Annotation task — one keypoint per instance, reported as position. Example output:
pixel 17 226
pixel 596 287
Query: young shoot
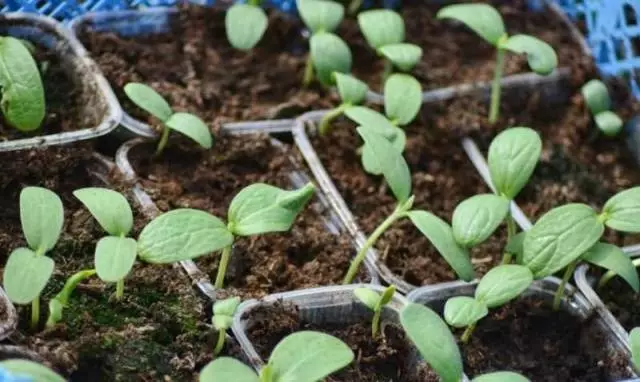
pixel 245 24
pixel 634 344
pixel 223 311
pixel 301 357
pixel 23 103
pixel 328 52
pixel 185 123
pixel 384 31
pixel 61 300
pixel 598 101
pixel 28 270
pixel 22 370
pixel 485 21
pixel 352 92
pixel 375 301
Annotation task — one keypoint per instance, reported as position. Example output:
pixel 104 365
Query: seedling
pixel 188 124
pixel 22 370
pixel 245 24
pixel 352 92
pixel 598 101
pixel 23 104
pixel 328 52
pixel 28 270
pixel 501 376
pixel 61 300
pixel 375 301
pixel 302 357
pixel 485 20
pixel 634 344
pixel 222 319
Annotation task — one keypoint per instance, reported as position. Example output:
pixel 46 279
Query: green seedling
pixel 485 20
pixel 328 52
pixel 32 371
pixel 28 270
pixel 598 101
pixel 634 344
pixel 23 103
pixel 352 92
pixel 375 301
pixel 245 24
pixel 301 357
pixel 384 31
pixel 185 123
pixel 222 319
pixel 61 300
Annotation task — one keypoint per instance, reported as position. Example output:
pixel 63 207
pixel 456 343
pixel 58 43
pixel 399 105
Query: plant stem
pixel 119 289
pixel 354 6
pixel 375 323
pixel 506 258
pixel 611 274
pixel 386 72
pixel 35 313
pixel 325 122
pixel 511 232
pixel 495 87
pixel 255 3
pixel 222 267
pixel 220 343
pixel 467 333
pixel 560 292
pixel 164 138
pixel 57 304
pixel 308 72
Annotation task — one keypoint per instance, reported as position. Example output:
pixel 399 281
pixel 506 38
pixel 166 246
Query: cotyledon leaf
pixel 476 218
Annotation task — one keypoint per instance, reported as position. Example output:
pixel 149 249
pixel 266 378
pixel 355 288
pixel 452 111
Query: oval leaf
pixel 110 208
pixel 609 123
pixel 386 296
pixel 308 356
pixel 367 296
pixel 191 126
pixel 502 284
pixel 622 210
pixel 25 368
pixel 513 155
pixel 149 100
pixel 320 15
pixel 227 369
pixel 402 98
pixel 182 234
pixel 245 25
pixel 476 218
pixel 381 27
pixel 540 55
pixel 329 54
pixel 226 307
pixel 441 236
pixel 501 376
pixel 463 311
pixel 352 91
pixel 403 56
pixel 596 96
pixel 26 274
pixel 433 339
pixel 634 342
pixel 481 18
pixel 115 257
pixel 612 258
pixel 370 162
pixel 42 216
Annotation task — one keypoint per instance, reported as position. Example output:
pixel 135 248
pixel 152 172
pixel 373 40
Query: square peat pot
pixel 297 178
pixel 573 303
pixel 100 108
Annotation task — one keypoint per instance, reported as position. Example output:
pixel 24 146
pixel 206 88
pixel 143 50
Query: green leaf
pixel 115 257
pixel 149 100
pixel 366 117
pixel 609 123
pixel 226 307
pixel 481 18
pixel 402 98
pixel 110 208
pixel 191 126
pixel 329 54
pixel 308 356
pixel 540 55
pixel 463 311
pixel 26 274
pixel 352 90
pixel 261 208
pixel 320 15
pixel 42 216
pixel 441 236
pixel 381 27
pixel 393 166
pixel 26 368
pixel 221 323
pixel 559 237
pixel 634 342
pixel 612 258
pixel 501 376
pixel 596 96
pixel 502 284
pixel 515 246
pixel 403 56
pixel 245 25
pixel 182 234
pixel 227 369
pixel 23 102
pixel 387 295
pixel 476 218
pixel 621 211
pixel 433 339
pixel 513 155
pixel 367 296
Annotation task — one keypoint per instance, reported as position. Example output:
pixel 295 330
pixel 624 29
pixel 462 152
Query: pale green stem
pixel 35 313
pixel 222 267
pixel 119 289
pixel 164 138
pixel 220 343
pixel 611 274
pixel 325 122
pixel 55 310
pixel 354 6
pixel 560 292
pixel 467 333
pixel 387 71
pixel 495 87
pixel 308 72
pixel 375 323
pixel 511 232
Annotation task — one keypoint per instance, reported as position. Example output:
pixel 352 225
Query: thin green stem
pixel 35 313
pixel 354 6
pixel 222 268
pixel 60 301
pixel 308 72
pixel 375 323
pixel 565 278
pixel 495 87
pixel 511 232
pixel 387 71
pixel 164 138
pixel 611 274
pixel 219 343
pixel 467 333
pixel 119 289
pixel 325 122
pixel 506 258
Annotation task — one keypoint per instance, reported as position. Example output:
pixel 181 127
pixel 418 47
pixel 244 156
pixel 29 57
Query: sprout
pixel 596 96
pixel 375 301
pixel 22 370
pixel 61 300
pixel 222 319
pixel 485 20
pixel 328 52
pixel 245 24
pixel 301 357
pixel 23 103
pixel 188 124
pixel 352 92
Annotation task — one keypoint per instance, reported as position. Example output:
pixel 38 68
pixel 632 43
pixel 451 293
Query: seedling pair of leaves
pixel 376 302
pixel 486 21
pixel 301 357
pixel 245 24
pixel 185 123
pixel 223 312
pixel 598 101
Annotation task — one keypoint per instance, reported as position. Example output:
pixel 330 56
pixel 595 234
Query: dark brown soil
pixel 308 255
pixel 623 302
pixel 382 359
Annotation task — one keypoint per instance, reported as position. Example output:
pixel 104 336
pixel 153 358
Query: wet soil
pixel 382 359
pixel 623 302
